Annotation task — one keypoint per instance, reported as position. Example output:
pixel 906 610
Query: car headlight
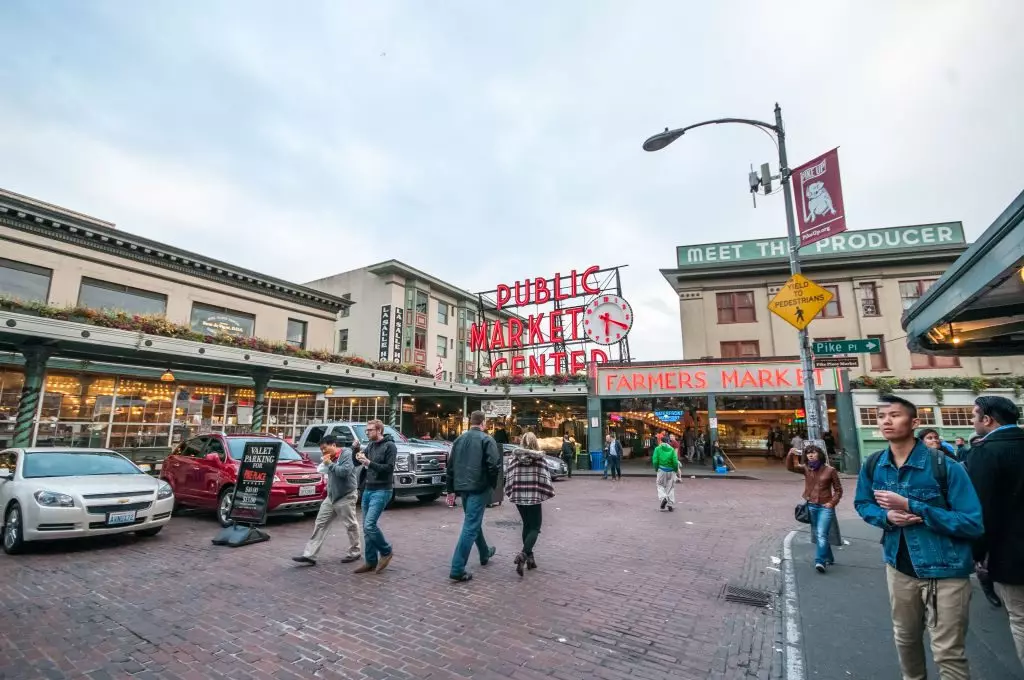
pixel 277 479
pixel 163 490
pixel 52 499
pixel 402 464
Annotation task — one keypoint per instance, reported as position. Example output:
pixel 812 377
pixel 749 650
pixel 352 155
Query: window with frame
pixel 420 340
pixel 736 307
pixel 880 361
pixel 211 320
pixel 869 415
pixel 926 414
pixel 911 291
pixel 25 282
pixel 741 349
pixel 932 361
pixel 422 301
pixel 442 346
pixel 957 416
pixel 833 310
pixel 442 312
pixel 296 334
pixel 96 294
pixel 869 299
pixel 346 311
pixel 343 340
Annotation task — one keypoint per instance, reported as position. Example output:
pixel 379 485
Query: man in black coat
pixel 473 469
pixel 568 453
pixel 996 467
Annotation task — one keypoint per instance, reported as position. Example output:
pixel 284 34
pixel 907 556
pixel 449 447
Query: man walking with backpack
pixel 997 470
pixel 473 468
pixel 930 515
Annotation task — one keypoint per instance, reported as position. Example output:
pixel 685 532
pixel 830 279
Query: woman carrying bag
pixel 822 491
pixel 527 485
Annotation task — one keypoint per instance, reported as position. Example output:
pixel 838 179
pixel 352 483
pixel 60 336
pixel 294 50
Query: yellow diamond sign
pixel 799 301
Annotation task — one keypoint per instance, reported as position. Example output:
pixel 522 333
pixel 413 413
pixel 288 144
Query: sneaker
pixel 302 559
pixel 671 508
pixel 664 502
pixel 348 559
pixel 490 554
pixel 384 562
pixel 820 568
pixel 366 569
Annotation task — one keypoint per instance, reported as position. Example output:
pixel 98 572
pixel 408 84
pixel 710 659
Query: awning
pixel 977 307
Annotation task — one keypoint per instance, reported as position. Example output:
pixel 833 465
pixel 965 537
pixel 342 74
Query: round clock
pixel 607 319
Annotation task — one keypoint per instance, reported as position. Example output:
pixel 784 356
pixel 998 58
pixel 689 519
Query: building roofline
pixel 397 266
pixel 51 221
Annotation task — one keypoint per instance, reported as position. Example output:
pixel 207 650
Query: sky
pixel 485 142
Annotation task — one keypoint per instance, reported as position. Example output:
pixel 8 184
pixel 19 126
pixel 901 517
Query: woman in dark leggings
pixel 527 485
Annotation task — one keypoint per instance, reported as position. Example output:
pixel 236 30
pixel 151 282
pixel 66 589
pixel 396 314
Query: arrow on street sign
pixel 836 362
pixel 860 346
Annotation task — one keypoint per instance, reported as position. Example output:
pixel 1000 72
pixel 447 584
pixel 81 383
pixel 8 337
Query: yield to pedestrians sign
pixel 799 301
pixel 859 346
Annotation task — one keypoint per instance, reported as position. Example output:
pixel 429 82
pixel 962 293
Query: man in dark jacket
pixel 338 465
pixel 568 452
pixel 473 468
pixel 379 461
pixel 997 469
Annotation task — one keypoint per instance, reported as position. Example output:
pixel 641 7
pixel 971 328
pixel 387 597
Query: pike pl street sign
pixel 858 346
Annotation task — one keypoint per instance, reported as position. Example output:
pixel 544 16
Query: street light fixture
pixel 663 139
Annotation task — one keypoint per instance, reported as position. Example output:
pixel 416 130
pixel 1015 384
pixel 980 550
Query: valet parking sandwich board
pixel 251 498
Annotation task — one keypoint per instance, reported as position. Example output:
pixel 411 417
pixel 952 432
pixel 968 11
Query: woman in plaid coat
pixel 527 485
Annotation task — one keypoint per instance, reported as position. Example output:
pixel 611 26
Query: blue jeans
pixel 375 545
pixel 615 466
pixel 821 521
pixel 604 464
pixel 473 504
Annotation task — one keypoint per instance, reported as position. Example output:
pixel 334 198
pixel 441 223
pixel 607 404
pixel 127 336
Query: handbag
pixel 802 513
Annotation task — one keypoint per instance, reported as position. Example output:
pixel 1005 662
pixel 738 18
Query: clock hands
pixel 607 318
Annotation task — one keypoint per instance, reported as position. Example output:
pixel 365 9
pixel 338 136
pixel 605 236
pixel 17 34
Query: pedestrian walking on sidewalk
pixel 339 467
pixel 822 491
pixel 473 468
pixel 568 451
pixel 666 463
pixel 613 454
pixel 930 516
pixel 997 470
pixel 379 485
pixel 528 485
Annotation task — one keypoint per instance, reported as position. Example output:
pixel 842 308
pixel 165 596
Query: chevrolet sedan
pixel 52 493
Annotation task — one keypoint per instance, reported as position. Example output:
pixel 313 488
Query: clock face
pixel 607 319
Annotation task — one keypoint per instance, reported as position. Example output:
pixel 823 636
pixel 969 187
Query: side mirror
pixel 212 457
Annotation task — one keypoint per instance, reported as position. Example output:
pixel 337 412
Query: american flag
pixel 439 371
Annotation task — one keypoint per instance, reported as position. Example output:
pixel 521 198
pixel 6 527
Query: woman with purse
pixel 822 491
pixel 527 485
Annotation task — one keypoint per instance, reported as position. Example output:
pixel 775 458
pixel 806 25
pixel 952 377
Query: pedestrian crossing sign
pixel 799 301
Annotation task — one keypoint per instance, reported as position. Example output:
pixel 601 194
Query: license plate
pixel 307 490
pixel 436 479
pixel 126 517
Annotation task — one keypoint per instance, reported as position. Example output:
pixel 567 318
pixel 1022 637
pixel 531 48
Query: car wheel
pixel 429 498
pixel 14 539
pixel 224 506
pixel 149 533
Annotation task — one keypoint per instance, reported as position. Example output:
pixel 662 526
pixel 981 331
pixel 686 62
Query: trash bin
pixel 595 460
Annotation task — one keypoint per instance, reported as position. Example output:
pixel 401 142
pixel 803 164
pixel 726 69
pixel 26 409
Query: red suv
pixel 202 471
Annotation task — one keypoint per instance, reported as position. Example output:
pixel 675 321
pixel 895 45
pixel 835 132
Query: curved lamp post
pixel 662 139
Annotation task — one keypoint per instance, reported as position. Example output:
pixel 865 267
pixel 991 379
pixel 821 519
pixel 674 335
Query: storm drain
pixel 755 598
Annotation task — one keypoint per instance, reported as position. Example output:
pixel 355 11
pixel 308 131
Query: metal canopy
pixel 977 307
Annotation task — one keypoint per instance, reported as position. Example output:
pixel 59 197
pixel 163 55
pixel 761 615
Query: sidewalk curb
pixel 793 655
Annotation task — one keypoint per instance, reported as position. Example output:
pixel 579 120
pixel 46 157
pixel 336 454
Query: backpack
pixel 938 464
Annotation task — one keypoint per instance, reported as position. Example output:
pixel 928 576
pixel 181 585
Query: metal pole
pixel 810 398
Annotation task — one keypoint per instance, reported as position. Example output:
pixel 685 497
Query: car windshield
pixel 237 446
pixel 76 464
pixel 360 429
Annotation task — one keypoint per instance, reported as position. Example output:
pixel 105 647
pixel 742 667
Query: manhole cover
pixel 755 598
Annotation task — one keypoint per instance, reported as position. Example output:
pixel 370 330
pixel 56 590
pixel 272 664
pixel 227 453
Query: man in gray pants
pixel 340 502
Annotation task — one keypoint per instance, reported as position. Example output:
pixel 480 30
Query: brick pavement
pixel 623 591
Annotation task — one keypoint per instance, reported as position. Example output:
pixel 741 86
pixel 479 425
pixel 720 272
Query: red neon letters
pixel 538 292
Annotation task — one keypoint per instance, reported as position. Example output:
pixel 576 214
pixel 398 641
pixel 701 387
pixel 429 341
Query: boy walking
pixel 666 462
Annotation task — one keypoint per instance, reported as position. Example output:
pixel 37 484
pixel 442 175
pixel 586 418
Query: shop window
pixel 911 291
pixel 296 334
pixel 957 416
pixel 96 294
pixel 422 300
pixel 869 415
pixel 926 414
pixel 736 307
pixel 880 361
pixel 343 340
pixel 216 320
pixel 742 349
pixel 442 346
pixel 932 361
pixel 833 310
pixel 346 311
pixel 25 282
pixel 869 299
pixel 442 313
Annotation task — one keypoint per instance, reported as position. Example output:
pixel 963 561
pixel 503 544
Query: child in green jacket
pixel 666 462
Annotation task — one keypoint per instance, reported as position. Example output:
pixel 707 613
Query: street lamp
pixel 663 139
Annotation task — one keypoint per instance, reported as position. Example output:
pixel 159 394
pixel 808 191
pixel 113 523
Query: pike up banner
pixel 819 198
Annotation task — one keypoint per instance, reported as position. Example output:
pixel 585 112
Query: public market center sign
pixel 849 243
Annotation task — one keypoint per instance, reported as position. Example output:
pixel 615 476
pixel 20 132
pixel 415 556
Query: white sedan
pixel 53 493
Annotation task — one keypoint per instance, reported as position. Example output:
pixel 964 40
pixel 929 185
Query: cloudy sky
pixel 486 141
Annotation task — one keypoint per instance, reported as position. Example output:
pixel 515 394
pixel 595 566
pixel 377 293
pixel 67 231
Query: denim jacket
pixel 940 547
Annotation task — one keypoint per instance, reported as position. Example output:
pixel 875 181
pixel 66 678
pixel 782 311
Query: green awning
pixel 977 307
